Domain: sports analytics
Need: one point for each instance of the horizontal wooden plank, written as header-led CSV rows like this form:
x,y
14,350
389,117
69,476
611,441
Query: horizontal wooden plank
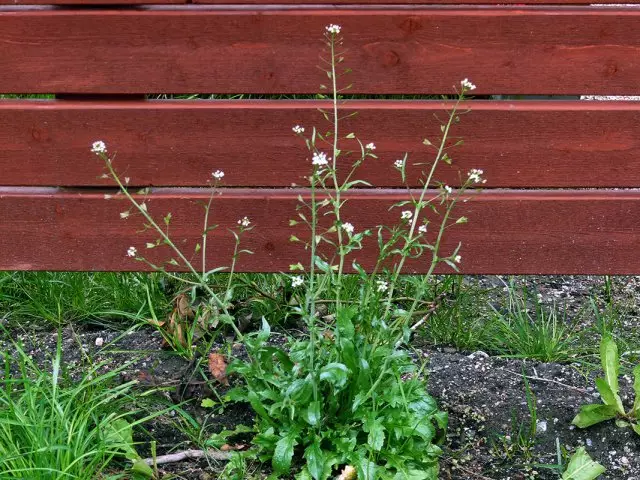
x,y
179,143
91,3
536,232
275,50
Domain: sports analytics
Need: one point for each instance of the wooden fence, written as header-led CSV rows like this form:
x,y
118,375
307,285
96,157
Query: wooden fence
x,y
561,194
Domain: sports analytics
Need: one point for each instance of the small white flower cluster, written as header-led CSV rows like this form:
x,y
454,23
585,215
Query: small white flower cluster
x,y
99,147
467,85
422,229
244,222
406,215
132,252
448,189
348,227
320,159
370,146
382,286
457,258
334,29
398,164
218,174
298,129
475,175
297,281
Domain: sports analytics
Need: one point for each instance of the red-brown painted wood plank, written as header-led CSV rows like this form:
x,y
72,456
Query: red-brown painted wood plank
x,y
420,2
179,143
91,3
262,50
538,232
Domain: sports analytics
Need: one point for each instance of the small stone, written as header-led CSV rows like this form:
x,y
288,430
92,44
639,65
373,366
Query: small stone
x,y
99,341
541,426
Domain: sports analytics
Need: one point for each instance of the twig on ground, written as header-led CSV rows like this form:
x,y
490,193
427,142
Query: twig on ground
x,y
548,380
186,455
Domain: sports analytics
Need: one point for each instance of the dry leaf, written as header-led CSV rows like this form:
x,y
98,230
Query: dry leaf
x,y
218,367
183,307
226,447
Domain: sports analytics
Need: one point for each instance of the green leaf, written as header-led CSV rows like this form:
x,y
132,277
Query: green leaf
x,y
608,397
119,435
636,388
366,468
313,413
207,403
636,427
344,322
141,469
284,453
335,373
610,365
315,460
582,467
592,414
376,435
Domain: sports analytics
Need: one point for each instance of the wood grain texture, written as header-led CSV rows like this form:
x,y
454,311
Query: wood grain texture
x,y
90,3
269,50
537,232
179,143
405,2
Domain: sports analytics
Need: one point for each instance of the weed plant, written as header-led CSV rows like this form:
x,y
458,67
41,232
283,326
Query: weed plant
x,y
344,396
55,427
526,328
62,297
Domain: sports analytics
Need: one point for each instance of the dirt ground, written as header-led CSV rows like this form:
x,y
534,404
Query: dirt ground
x,y
491,432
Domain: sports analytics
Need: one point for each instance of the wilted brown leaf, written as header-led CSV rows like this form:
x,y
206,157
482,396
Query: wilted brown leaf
x,y
218,367
183,306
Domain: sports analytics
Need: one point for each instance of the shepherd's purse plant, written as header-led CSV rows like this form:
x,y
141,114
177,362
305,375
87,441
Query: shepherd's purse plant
x,y
344,396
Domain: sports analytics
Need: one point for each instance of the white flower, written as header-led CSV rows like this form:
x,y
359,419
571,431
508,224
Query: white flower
x,y
398,164
382,286
99,341
475,176
244,222
126,180
297,281
298,129
335,29
131,252
218,174
467,85
422,229
457,259
347,227
125,214
448,189
99,147
370,146
320,159
406,215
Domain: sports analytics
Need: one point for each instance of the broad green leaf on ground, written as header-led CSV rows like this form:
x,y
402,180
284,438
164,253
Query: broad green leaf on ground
x,y
335,373
592,414
140,469
608,396
284,453
610,365
119,434
315,460
582,467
